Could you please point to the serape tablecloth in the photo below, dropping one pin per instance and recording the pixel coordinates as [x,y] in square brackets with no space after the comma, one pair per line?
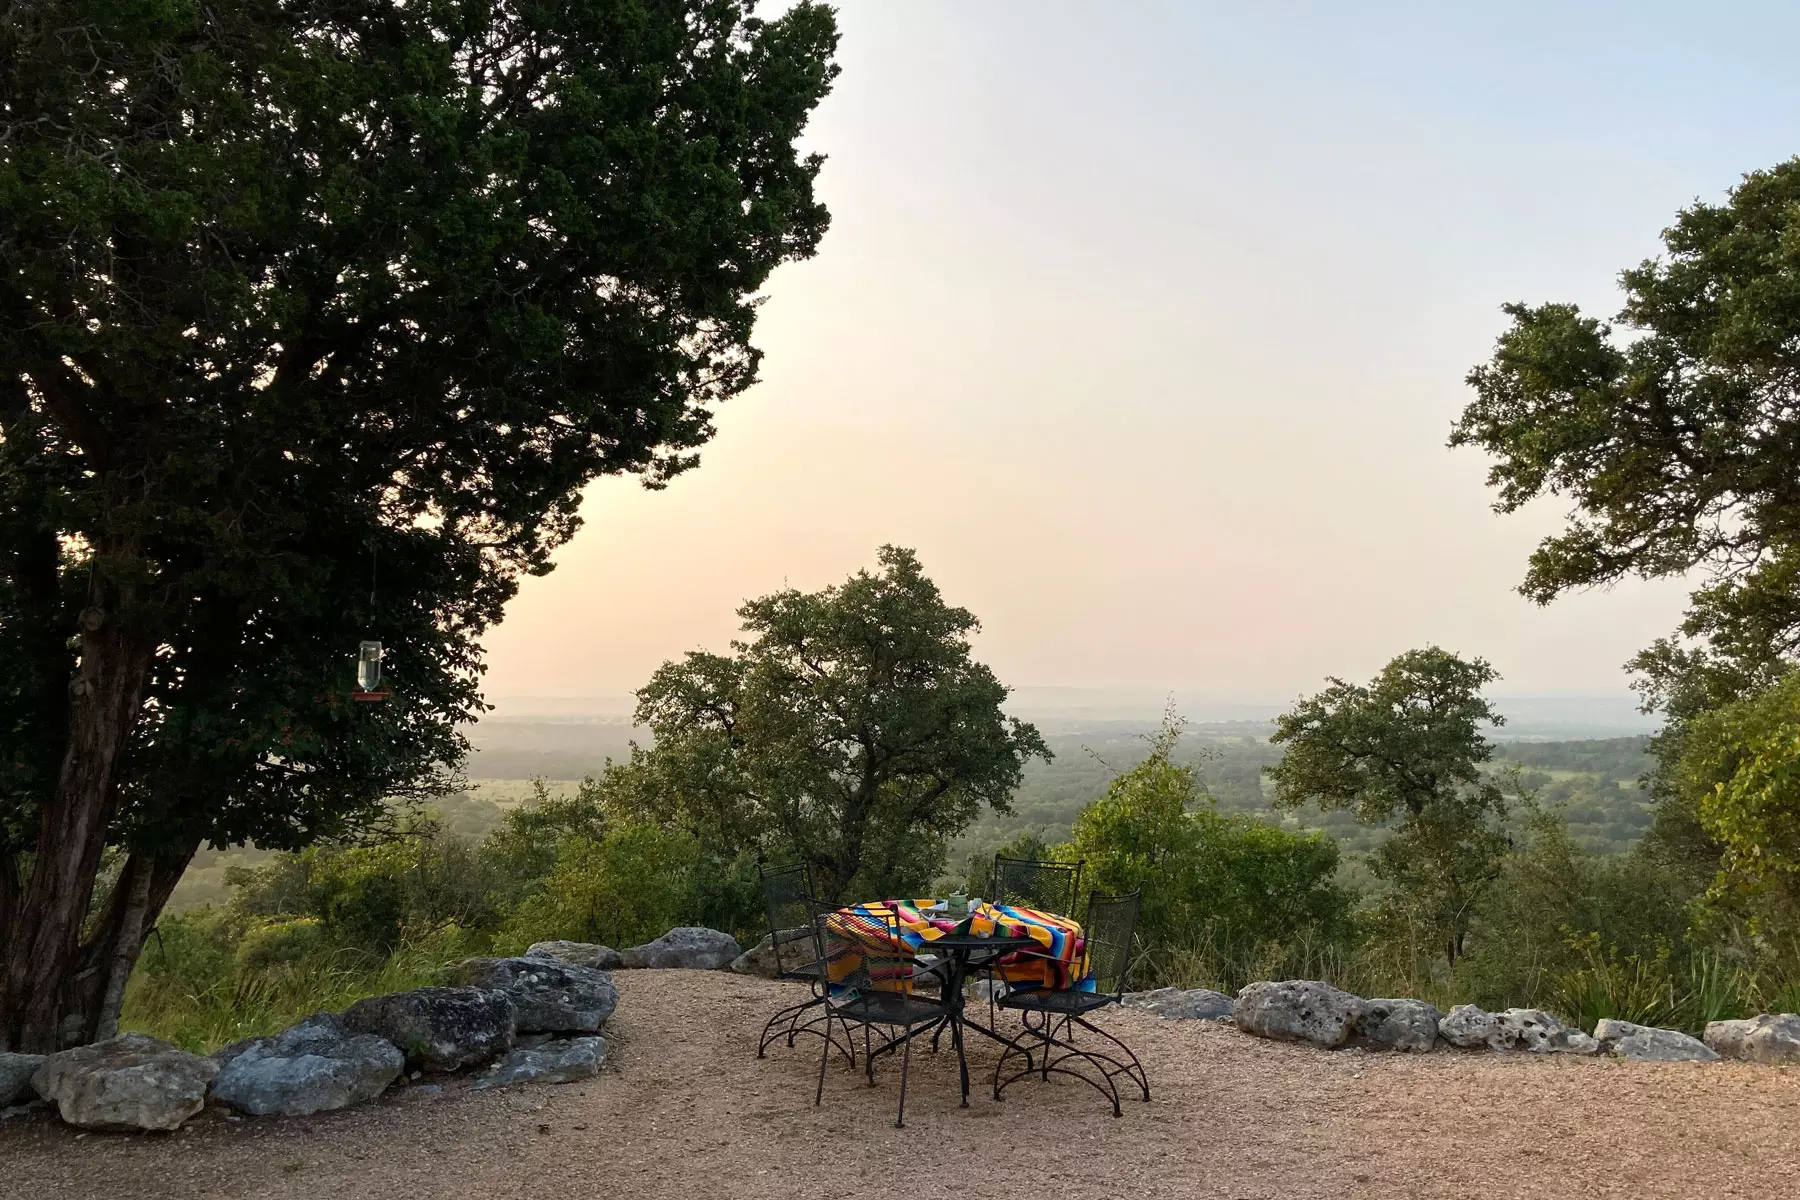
[1058,957]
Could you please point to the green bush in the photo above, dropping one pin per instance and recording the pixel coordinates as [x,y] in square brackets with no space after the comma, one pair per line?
[278,941]
[626,887]
[1222,894]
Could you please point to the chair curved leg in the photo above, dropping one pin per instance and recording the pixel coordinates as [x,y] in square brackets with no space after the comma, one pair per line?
[790,1014]
[1054,1033]
[1133,1069]
[1104,1085]
[795,1026]
[1020,1046]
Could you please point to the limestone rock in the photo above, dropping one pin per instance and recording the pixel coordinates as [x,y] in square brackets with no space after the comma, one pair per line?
[125,1083]
[1646,1042]
[547,996]
[1537,1032]
[439,1028]
[797,949]
[1410,1025]
[1467,1026]
[984,990]
[314,1066]
[1298,1010]
[16,1071]
[689,946]
[559,1061]
[1182,1004]
[576,954]
[1769,1038]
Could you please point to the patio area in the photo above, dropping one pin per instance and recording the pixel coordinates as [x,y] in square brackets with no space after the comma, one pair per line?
[684,1109]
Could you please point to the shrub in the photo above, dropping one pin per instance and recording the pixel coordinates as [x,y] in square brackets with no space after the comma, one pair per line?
[1221,893]
[274,942]
[628,886]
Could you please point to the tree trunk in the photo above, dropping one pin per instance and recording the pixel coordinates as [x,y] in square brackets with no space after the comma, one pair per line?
[115,943]
[126,942]
[44,934]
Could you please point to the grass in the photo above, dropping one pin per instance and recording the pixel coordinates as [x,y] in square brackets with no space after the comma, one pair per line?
[201,1011]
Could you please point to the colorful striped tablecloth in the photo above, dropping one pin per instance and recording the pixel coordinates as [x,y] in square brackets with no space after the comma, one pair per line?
[1058,960]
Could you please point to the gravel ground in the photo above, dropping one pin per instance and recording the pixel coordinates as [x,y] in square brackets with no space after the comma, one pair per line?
[685,1110]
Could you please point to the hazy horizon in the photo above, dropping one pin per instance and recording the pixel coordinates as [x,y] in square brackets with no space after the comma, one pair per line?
[1146,328]
[1570,716]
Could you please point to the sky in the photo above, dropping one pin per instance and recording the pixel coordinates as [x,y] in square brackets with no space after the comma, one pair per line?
[1145,326]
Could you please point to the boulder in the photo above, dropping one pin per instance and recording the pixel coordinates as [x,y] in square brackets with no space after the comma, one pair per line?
[576,954]
[1410,1025]
[439,1028]
[1467,1026]
[1182,1004]
[1769,1038]
[796,949]
[1297,1010]
[547,996]
[314,1066]
[16,1071]
[125,1083]
[560,1061]
[984,991]
[689,946]
[1628,1040]
[1535,1031]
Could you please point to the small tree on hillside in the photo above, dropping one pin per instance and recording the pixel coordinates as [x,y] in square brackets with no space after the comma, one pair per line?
[1407,746]
[1227,885]
[852,727]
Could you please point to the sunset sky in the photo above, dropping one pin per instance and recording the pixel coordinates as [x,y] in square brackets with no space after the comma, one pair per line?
[1145,326]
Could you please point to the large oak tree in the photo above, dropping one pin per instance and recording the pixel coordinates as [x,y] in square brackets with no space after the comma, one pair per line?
[1673,432]
[850,727]
[315,318]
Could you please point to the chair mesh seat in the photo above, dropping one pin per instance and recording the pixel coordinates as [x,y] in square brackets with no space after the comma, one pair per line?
[889,1008]
[1056,1000]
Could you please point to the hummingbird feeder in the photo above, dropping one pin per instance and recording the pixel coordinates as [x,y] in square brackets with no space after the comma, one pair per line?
[368,674]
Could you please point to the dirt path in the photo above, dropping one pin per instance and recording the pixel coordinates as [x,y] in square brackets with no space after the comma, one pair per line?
[686,1111]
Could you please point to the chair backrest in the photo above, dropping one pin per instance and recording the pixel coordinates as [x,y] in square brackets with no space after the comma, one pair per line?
[1109,928]
[789,905]
[860,964]
[1027,883]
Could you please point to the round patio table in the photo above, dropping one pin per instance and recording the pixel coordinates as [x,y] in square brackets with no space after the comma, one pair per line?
[988,936]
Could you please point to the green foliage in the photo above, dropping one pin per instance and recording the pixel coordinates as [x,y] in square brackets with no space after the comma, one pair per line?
[852,727]
[1740,771]
[315,322]
[631,884]
[1226,886]
[1550,894]
[1407,746]
[279,941]
[192,987]
[1673,439]
[324,926]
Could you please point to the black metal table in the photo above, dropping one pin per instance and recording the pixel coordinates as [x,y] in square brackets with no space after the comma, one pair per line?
[964,953]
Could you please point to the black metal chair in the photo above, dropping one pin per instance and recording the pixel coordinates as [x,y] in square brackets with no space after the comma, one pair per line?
[791,909]
[872,991]
[1027,883]
[1051,1015]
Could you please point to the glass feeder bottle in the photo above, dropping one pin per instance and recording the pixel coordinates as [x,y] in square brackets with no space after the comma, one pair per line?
[368,666]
